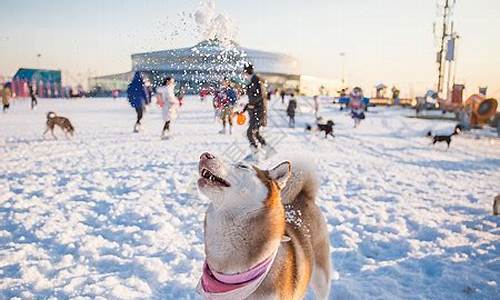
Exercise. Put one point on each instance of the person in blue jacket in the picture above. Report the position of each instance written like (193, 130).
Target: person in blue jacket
(138, 97)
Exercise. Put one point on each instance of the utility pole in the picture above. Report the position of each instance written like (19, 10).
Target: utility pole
(450, 62)
(441, 50)
(440, 58)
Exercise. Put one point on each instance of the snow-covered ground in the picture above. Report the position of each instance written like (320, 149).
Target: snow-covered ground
(115, 215)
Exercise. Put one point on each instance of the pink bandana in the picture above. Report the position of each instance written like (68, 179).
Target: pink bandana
(219, 286)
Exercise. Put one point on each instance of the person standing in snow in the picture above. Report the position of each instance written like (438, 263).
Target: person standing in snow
(6, 94)
(180, 95)
(216, 105)
(357, 106)
(395, 95)
(233, 96)
(256, 111)
(138, 96)
(226, 98)
(166, 95)
(34, 102)
(204, 93)
(316, 106)
(290, 110)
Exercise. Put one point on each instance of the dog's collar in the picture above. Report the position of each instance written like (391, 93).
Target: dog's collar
(220, 286)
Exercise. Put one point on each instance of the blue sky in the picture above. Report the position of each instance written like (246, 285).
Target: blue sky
(388, 41)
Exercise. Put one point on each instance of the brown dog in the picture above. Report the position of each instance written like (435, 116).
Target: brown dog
(62, 122)
(265, 237)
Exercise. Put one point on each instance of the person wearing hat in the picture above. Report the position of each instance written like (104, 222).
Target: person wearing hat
(256, 111)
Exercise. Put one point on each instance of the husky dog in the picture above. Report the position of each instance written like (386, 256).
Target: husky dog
(265, 238)
(62, 122)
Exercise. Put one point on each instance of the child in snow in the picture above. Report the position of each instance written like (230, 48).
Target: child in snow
(204, 93)
(357, 106)
(225, 98)
(180, 95)
(290, 110)
(221, 103)
(217, 106)
(165, 94)
(228, 99)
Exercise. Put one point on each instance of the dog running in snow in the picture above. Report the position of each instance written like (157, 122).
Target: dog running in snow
(322, 127)
(265, 238)
(62, 122)
(444, 138)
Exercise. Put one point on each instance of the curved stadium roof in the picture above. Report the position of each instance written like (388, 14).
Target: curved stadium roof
(213, 55)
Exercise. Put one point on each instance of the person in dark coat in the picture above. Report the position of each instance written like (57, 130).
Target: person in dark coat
(290, 110)
(282, 94)
(256, 109)
(34, 102)
(138, 97)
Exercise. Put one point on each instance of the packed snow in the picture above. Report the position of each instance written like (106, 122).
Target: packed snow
(110, 214)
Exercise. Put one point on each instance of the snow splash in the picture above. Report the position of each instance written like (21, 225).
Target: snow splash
(216, 55)
(212, 25)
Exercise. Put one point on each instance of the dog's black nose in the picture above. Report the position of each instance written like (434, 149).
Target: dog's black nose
(207, 155)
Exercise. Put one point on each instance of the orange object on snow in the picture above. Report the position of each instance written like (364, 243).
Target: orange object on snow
(241, 119)
(482, 109)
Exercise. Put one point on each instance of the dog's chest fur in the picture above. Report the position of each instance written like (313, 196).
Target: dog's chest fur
(236, 242)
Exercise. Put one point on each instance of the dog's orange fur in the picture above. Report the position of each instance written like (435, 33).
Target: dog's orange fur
(292, 280)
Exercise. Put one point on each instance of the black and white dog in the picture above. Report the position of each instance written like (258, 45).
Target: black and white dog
(327, 127)
(444, 138)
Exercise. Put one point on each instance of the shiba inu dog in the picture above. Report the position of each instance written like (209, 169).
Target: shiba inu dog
(62, 122)
(265, 238)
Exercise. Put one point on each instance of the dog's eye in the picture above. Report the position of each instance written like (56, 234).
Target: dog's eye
(242, 166)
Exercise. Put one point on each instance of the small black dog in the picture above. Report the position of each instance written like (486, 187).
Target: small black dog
(327, 128)
(445, 138)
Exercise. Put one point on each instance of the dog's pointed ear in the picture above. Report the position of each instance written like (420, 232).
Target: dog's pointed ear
(280, 174)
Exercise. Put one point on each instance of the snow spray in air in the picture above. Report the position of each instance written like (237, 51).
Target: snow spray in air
(218, 51)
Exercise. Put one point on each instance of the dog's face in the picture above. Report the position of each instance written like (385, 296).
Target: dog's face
(237, 185)
(330, 123)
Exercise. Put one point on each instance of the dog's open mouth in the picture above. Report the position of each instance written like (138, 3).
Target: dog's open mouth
(211, 178)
